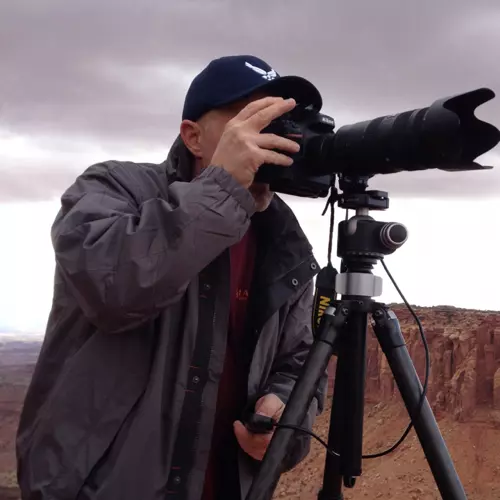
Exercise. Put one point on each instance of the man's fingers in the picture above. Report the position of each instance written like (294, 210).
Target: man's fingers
(254, 445)
(276, 158)
(262, 118)
(256, 106)
(270, 405)
(273, 141)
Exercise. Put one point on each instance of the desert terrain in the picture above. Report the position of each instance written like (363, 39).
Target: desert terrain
(17, 360)
(464, 391)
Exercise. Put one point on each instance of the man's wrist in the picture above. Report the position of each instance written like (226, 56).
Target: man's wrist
(229, 184)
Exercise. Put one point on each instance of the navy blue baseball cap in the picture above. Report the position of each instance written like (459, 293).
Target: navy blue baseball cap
(230, 78)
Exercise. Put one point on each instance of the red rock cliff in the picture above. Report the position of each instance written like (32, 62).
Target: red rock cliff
(465, 359)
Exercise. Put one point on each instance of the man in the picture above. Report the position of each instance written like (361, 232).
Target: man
(182, 297)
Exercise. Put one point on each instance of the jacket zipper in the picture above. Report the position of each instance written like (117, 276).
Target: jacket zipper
(202, 402)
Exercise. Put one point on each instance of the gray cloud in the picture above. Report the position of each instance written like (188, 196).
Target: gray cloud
(32, 185)
(114, 73)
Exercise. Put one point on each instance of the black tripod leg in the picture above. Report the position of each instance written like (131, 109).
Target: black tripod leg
(388, 332)
(346, 419)
(298, 403)
(353, 379)
(332, 477)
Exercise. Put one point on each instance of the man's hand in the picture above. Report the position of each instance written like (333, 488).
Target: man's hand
(242, 149)
(256, 445)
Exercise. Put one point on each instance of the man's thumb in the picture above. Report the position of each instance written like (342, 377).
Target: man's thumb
(240, 431)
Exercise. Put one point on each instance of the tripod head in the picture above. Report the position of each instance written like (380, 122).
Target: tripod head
(363, 241)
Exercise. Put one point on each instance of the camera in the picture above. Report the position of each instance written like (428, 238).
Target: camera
(445, 136)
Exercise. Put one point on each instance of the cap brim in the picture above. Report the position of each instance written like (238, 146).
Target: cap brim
(296, 87)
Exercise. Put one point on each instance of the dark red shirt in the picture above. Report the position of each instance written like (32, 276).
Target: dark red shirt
(221, 480)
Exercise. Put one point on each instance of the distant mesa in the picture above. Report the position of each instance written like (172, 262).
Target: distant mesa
(465, 360)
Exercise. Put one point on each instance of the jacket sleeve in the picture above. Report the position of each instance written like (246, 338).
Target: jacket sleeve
(127, 244)
(296, 342)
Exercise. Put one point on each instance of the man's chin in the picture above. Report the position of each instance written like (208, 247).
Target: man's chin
(262, 202)
(262, 196)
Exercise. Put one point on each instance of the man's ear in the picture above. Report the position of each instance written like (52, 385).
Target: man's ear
(191, 134)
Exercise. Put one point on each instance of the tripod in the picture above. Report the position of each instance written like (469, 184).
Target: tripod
(362, 241)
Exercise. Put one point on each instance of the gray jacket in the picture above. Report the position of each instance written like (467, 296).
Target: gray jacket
(122, 400)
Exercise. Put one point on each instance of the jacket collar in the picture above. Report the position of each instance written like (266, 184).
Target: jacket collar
(179, 163)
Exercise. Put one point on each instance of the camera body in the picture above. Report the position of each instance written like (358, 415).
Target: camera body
(304, 126)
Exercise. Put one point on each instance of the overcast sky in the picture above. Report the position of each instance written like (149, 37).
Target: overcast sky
(84, 81)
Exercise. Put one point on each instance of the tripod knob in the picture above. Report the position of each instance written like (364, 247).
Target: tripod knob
(393, 235)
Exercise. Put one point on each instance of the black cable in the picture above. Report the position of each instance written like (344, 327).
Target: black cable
(305, 431)
(330, 204)
(427, 371)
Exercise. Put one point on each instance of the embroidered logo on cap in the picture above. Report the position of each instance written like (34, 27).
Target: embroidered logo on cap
(267, 75)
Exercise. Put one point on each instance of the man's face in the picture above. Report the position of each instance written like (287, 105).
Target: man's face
(203, 137)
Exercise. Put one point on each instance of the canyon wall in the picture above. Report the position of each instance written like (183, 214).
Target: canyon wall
(464, 349)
